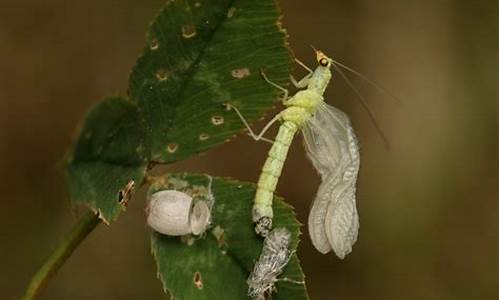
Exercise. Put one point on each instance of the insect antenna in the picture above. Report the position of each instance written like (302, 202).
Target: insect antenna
(368, 80)
(363, 102)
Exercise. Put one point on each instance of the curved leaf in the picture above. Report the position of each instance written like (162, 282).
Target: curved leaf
(111, 151)
(200, 55)
(224, 256)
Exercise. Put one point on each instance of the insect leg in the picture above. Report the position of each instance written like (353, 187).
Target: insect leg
(285, 91)
(259, 136)
(302, 83)
(286, 279)
(303, 65)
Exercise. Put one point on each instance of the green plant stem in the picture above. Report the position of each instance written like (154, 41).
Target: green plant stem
(65, 248)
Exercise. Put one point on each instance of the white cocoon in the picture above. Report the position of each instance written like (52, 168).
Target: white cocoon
(169, 212)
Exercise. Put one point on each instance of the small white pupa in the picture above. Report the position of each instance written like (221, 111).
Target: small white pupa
(173, 213)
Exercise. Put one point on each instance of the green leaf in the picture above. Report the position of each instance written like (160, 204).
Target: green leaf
(111, 150)
(200, 55)
(225, 255)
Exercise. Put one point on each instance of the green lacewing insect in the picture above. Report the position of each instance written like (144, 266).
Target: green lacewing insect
(331, 145)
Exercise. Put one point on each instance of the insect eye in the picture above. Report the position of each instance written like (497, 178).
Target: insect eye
(323, 62)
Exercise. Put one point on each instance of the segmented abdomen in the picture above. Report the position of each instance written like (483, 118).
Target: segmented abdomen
(271, 171)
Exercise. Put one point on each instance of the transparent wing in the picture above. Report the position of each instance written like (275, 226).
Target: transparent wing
(332, 146)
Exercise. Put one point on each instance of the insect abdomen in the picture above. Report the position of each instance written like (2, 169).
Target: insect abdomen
(271, 171)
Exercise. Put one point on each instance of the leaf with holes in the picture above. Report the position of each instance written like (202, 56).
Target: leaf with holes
(109, 157)
(200, 55)
(217, 264)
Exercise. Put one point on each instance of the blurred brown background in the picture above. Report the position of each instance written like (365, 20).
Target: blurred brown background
(428, 206)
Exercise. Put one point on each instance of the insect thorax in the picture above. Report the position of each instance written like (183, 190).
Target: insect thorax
(301, 106)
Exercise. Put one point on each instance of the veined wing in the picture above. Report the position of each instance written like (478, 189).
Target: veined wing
(333, 149)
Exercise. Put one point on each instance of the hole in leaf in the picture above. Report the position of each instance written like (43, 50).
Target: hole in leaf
(172, 147)
(217, 120)
(125, 193)
(188, 31)
(197, 280)
(161, 74)
(240, 73)
(154, 44)
(204, 136)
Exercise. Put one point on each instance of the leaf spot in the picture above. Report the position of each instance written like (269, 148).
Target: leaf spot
(230, 12)
(218, 233)
(217, 120)
(188, 31)
(197, 280)
(204, 136)
(161, 74)
(154, 44)
(172, 147)
(197, 4)
(139, 149)
(240, 73)
(227, 106)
